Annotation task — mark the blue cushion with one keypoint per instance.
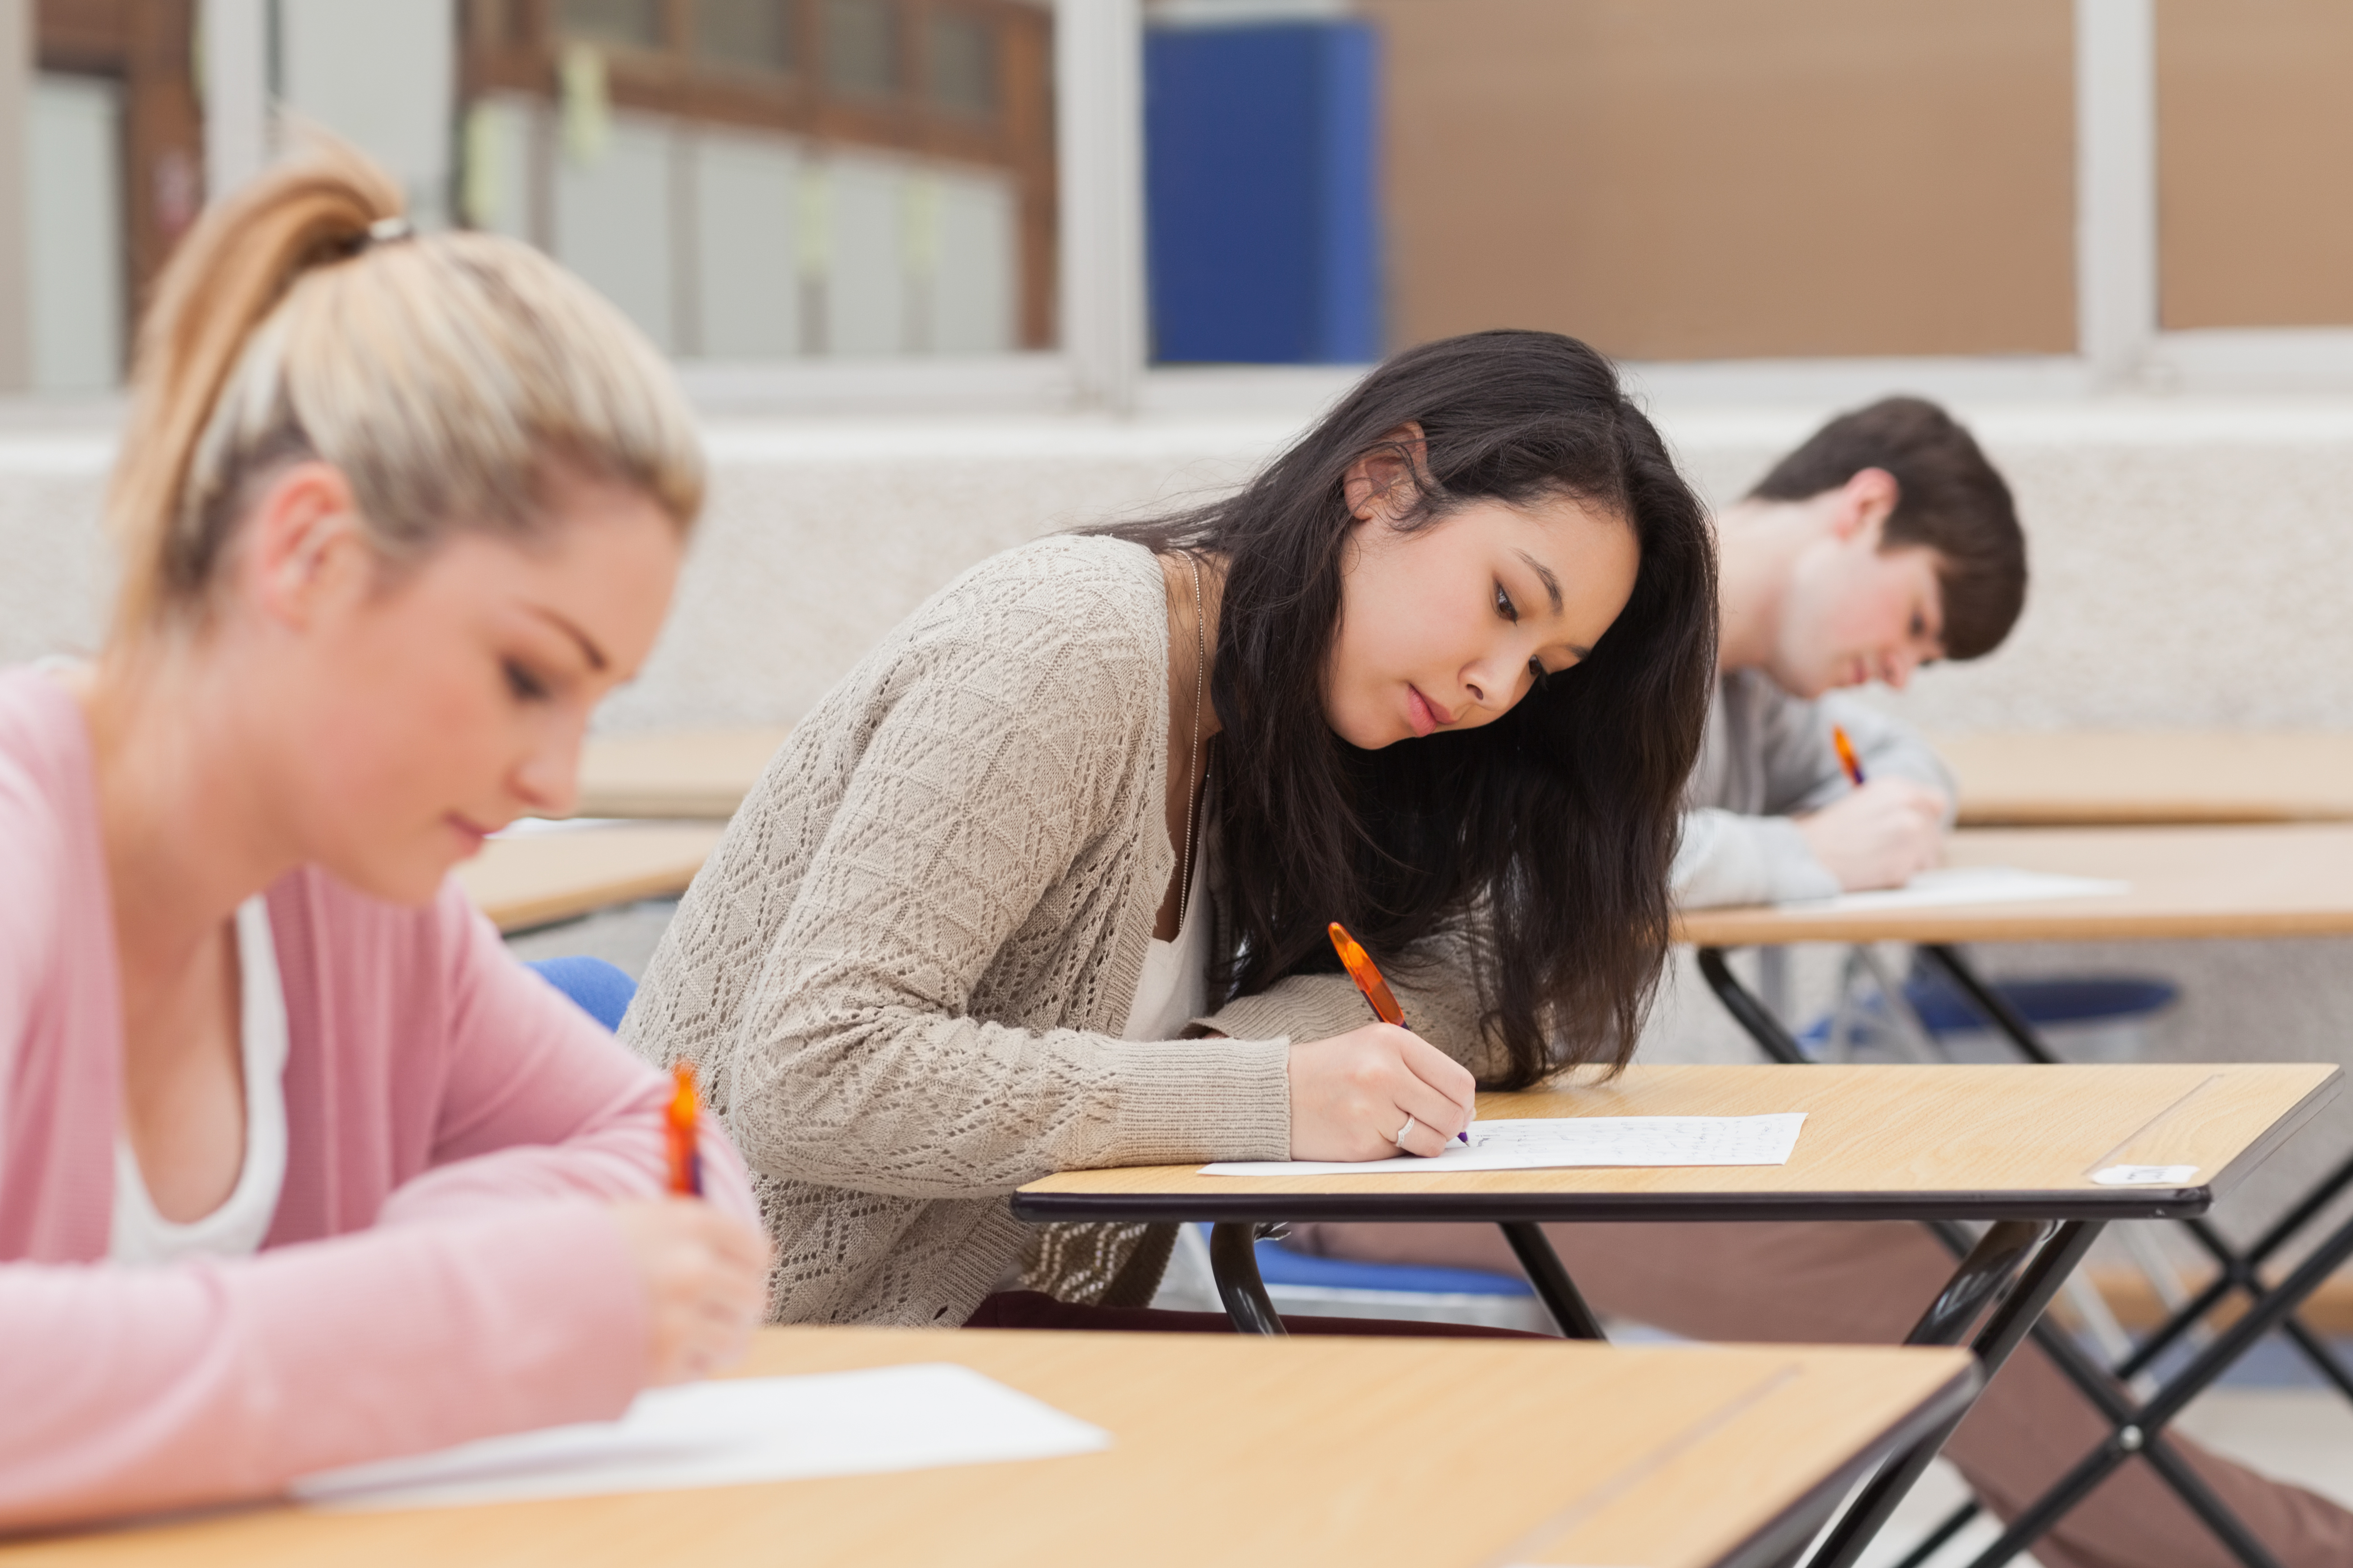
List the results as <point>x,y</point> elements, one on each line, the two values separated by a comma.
<point>1278,1265</point>
<point>602,990</point>
<point>2063,999</point>
<point>2060,1000</point>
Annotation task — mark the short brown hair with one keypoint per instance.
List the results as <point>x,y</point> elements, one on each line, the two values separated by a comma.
<point>1948,498</point>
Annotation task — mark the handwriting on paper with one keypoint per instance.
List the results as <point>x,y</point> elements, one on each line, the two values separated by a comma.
<point>1546,1143</point>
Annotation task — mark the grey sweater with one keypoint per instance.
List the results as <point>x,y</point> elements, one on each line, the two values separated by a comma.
<point>1767,757</point>
<point>903,971</point>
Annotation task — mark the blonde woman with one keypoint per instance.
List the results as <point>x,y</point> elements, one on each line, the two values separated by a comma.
<point>297,1168</point>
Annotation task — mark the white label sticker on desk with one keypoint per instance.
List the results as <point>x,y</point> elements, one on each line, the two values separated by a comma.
<point>2145,1175</point>
<point>1547,1143</point>
<point>731,1432</point>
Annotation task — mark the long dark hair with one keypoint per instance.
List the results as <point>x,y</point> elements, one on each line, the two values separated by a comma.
<point>1547,834</point>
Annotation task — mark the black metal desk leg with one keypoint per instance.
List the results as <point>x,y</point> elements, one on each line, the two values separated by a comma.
<point>2239,1271</point>
<point>1990,1004</point>
<point>1746,1010</point>
<point>2013,1318</point>
<point>1986,1271</point>
<point>1545,1271</point>
<point>2151,1418</point>
<point>1233,1258</point>
<point>2242,1271</point>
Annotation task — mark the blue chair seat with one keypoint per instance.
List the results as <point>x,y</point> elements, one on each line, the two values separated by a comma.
<point>602,990</point>
<point>1278,1265</point>
<point>2056,1002</point>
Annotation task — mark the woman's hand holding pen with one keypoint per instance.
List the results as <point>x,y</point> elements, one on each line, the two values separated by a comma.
<point>705,1274</point>
<point>1878,834</point>
<point>1351,1096</point>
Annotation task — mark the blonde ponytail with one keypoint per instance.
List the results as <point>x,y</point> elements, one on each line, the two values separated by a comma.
<point>444,376</point>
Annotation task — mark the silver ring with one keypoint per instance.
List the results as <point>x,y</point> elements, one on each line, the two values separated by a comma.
<point>1397,1136</point>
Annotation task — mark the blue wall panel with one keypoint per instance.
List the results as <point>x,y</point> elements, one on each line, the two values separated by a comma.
<point>1262,193</point>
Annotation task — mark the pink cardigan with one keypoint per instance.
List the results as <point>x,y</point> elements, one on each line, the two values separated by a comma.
<point>440,1268</point>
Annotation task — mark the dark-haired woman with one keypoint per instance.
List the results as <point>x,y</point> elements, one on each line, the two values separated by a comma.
<point>1042,884</point>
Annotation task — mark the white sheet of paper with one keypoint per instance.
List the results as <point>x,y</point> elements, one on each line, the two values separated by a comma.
<point>1963,885</point>
<point>730,1433</point>
<point>1539,1143</point>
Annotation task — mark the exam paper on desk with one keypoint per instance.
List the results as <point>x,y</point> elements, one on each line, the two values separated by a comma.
<point>731,1432</point>
<point>1538,1143</point>
<point>1962,885</point>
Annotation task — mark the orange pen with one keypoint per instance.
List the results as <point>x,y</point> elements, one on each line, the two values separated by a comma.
<point>685,1143</point>
<point>1847,759</point>
<point>1368,980</point>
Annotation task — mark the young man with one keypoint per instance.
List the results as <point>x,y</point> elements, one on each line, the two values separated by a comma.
<point>1886,542</point>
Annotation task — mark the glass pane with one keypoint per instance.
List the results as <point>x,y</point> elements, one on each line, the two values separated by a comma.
<point>964,64</point>
<point>744,35</point>
<point>635,23</point>
<point>749,225</point>
<point>1667,179</point>
<point>2254,132</point>
<point>861,48</point>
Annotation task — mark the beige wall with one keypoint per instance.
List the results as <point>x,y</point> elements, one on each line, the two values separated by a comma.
<point>2254,150</point>
<point>1701,179</point>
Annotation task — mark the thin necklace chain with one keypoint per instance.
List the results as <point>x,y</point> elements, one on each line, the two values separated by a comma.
<point>1193,758</point>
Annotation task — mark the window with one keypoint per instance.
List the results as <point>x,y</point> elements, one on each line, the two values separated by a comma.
<point>745,35</point>
<point>861,48</point>
<point>777,179</point>
<point>2253,130</point>
<point>963,58</point>
<point>634,24</point>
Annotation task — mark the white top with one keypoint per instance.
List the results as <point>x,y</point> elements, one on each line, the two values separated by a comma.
<point>237,1227</point>
<point>1173,988</point>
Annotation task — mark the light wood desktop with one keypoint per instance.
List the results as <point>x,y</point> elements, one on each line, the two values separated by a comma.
<point>2090,777</point>
<point>1880,1142</point>
<point>673,773</point>
<point>2018,1144</point>
<point>2253,880</point>
<point>538,878</point>
<point>2187,881</point>
<point>1226,1450</point>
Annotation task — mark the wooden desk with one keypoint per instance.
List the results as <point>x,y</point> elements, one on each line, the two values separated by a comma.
<point>2253,880</point>
<point>673,773</point>
<point>2084,778</point>
<point>1229,1450</point>
<point>540,878</point>
<point>2283,880</point>
<point>2013,1144</point>
<point>1880,1142</point>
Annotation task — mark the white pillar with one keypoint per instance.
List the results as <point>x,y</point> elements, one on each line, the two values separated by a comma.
<point>2115,185</point>
<point>235,48</point>
<point>1099,146</point>
<point>18,60</point>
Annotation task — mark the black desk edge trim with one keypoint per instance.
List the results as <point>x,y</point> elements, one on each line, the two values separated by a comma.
<point>2098,1204</point>
<point>1781,1536</point>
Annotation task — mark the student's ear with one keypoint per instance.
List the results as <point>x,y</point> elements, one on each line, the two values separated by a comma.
<point>302,547</point>
<point>1380,483</point>
<point>1864,502</point>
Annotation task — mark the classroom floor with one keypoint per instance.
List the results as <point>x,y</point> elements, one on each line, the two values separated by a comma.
<point>2271,1414</point>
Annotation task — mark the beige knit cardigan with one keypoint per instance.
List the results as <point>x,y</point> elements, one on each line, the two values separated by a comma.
<point>902,973</point>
